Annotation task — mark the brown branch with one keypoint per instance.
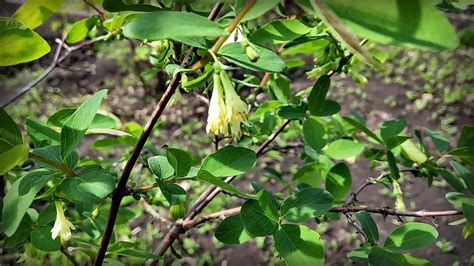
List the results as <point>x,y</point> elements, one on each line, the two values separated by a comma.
<point>100,12</point>
<point>149,209</point>
<point>121,190</point>
<point>69,256</point>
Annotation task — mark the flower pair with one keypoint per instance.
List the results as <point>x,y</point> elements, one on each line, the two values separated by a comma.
<point>226,110</point>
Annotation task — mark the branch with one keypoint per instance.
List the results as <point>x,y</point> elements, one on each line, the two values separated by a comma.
<point>121,190</point>
<point>56,61</point>
<point>69,256</point>
<point>100,12</point>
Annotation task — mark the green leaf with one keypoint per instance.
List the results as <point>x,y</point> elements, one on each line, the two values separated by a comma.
<point>232,231</point>
<point>24,45</point>
<point>279,31</point>
<point>343,148</point>
<point>13,157</point>
<point>291,112</point>
<point>368,226</point>
<point>173,193</point>
<point>452,180</point>
<point>173,25</point>
<point>10,134</point>
<point>93,183</point>
<point>15,205</point>
<point>412,152</point>
<point>381,257</point>
<point>468,210</point>
<point>299,245</point>
<point>81,28</point>
<point>408,23</point>
<point>209,178</point>
<point>257,10</point>
<point>306,204</point>
<point>339,181</point>
<point>318,94</point>
<point>103,121</point>
<point>466,139</point>
<point>119,5</point>
<point>260,217</point>
<point>441,142</point>
<point>53,153</point>
<point>341,32</point>
<point>40,134</point>
<point>410,236</point>
<point>129,249</point>
<point>229,161</point>
<point>33,13</point>
<point>314,133</point>
<point>160,167</point>
<point>456,198</point>
<point>41,239</point>
<point>30,182</point>
<point>362,128</point>
<point>392,128</point>
<point>180,160</point>
<point>392,165</point>
<point>268,61</point>
<point>328,108</point>
<point>78,123</point>
<point>465,174</point>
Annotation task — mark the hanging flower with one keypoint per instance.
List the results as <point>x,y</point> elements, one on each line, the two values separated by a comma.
<point>217,111</point>
<point>62,227</point>
<point>236,110</point>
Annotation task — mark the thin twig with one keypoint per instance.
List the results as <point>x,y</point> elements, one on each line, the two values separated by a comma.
<point>100,12</point>
<point>149,209</point>
<point>69,256</point>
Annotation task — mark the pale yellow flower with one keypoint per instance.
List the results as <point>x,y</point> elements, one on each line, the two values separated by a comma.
<point>237,111</point>
<point>62,227</point>
<point>217,112</point>
<point>399,203</point>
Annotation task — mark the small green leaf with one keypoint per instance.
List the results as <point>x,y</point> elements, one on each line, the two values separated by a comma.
<point>339,181</point>
<point>102,121</point>
<point>229,161</point>
<point>207,177</point>
<point>318,94</point>
<point>180,160</point>
<point>456,198</point>
<point>260,217</point>
<point>314,133</point>
<point>328,108</point>
<point>468,210</point>
<point>41,239</point>
<point>40,134</point>
<point>392,165</point>
<point>10,134</point>
<point>306,204</point>
<point>362,128</point>
<point>441,142</point>
<point>392,128</point>
<point>465,174</point>
<point>129,249</point>
<point>412,152</point>
<point>173,193</point>
<point>343,148</point>
<point>33,13</point>
<point>160,166</point>
<point>232,231</point>
<point>163,25</point>
<point>291,112</point>
<point>279,31</point>
<point>13,157</point>
<point>299,245</point>
<point>24,45</point>
<point>381,257</point>
<point>53,153</point>
<point>93,183</point>
<point>267,61</point>
<point>78,123</point>
<point>410,236</point>
<point>81,28</point>
<point>368,226</point>
<point>452,180</point>
<point>15,204</point>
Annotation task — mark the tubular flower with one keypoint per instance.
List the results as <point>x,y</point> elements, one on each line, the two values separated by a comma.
<point>62,226</point>
<point>236,110</point>
<point>217,112</point>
